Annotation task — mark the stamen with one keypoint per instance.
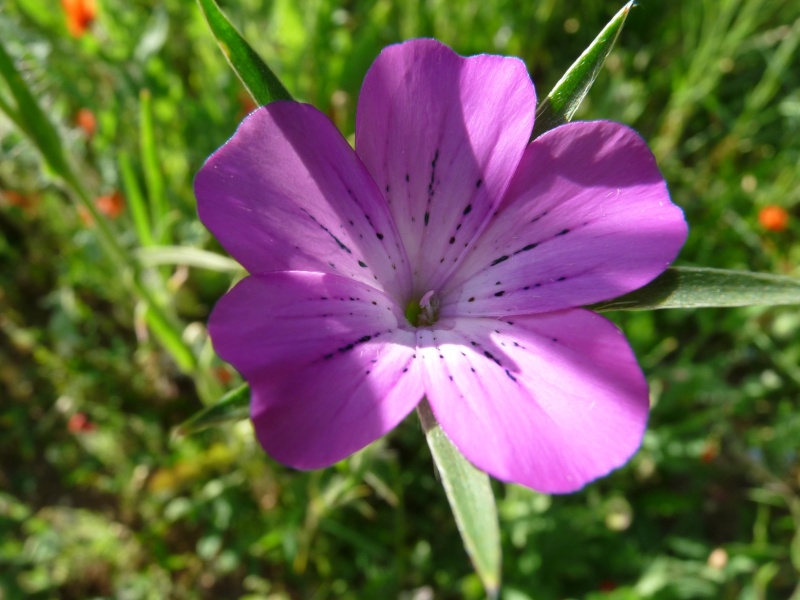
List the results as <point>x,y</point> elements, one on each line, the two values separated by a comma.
<point>429,305</point>
<point>425,311</point>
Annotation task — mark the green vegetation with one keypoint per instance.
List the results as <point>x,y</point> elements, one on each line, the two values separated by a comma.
<point>104,296</point>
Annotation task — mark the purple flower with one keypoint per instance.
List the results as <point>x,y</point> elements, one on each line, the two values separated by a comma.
<point>445,257</point>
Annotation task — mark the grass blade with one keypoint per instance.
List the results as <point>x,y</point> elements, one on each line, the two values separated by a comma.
<point>136,200</point>
<point>562,102</point>
<point>151,166</point>
<point>696,287</point>
<point>256,76</point>
<point>470,495</point>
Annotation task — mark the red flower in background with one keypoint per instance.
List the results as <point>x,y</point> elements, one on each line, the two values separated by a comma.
<point>80,15</point>
<point>80,423</point>
<point>773,218</point>
<point>111,205</point>
<point>86,122</point>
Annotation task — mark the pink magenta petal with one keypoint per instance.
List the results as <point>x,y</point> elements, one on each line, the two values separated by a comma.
<point>441,135</point>
<point>547,401</point>
<point>586,218</point>
<point>330,363</point>
<point>288,193</point>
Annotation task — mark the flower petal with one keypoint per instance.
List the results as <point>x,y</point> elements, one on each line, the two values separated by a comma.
<point>587,218</point>
<point>288,193</point>
<point>330,363</point>
<point>441,135</point>
<point>548,401</point>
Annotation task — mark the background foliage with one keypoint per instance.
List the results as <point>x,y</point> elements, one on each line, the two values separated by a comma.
<point>98,500</point>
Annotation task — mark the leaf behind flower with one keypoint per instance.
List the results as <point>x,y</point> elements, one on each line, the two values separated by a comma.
<point>696,287</point>
<point>256,76</point>
<point>233,406</point>
<point>564,99</point>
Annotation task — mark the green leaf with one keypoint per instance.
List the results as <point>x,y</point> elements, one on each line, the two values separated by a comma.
<point>256,76</point>
<point>152,166</point>
<point>28,116</point>
<point>186,255</point>
<point>569,92</point>
<point>169,334</point>
<point>136,199</point>
<point>471,500</point>
<point>695,287</point>
<point>233,406</point>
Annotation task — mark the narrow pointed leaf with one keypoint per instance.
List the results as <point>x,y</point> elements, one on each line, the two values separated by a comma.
<point>471,499</point>
<point>152,167</point>
<point>695,287</point>
<point>256,76</point>
<point>29,116</point>
<point>186,255</point>
<point>569,92</point>
<point>233,406</point>
<point>136,199</point>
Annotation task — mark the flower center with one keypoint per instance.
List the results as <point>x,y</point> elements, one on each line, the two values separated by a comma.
<point>423,312</point>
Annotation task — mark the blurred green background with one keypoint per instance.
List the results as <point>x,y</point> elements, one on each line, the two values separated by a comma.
<point>97,500</point>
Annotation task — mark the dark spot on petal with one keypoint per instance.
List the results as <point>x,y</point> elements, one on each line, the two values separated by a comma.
<point>561,279</point>
<point>452,240</point>
<point>526,248</point>
<point>327,356</point>
<point>562,232</point>
<point>500,293</point>
<point>498,282</point>
<point>478,183</point>
<point>427,217</point>
<point>374,303</point>
<point>472,299</point>
<point>555,339</point>
<point>468,209</point>
<point>511,376</point>
<point>450,377</point>
<point>406,176</point>
<point>380,236</point>
<point>387,188</point>
<point>497,261</point>
<point>491,357</point>
<point>362,264</point>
